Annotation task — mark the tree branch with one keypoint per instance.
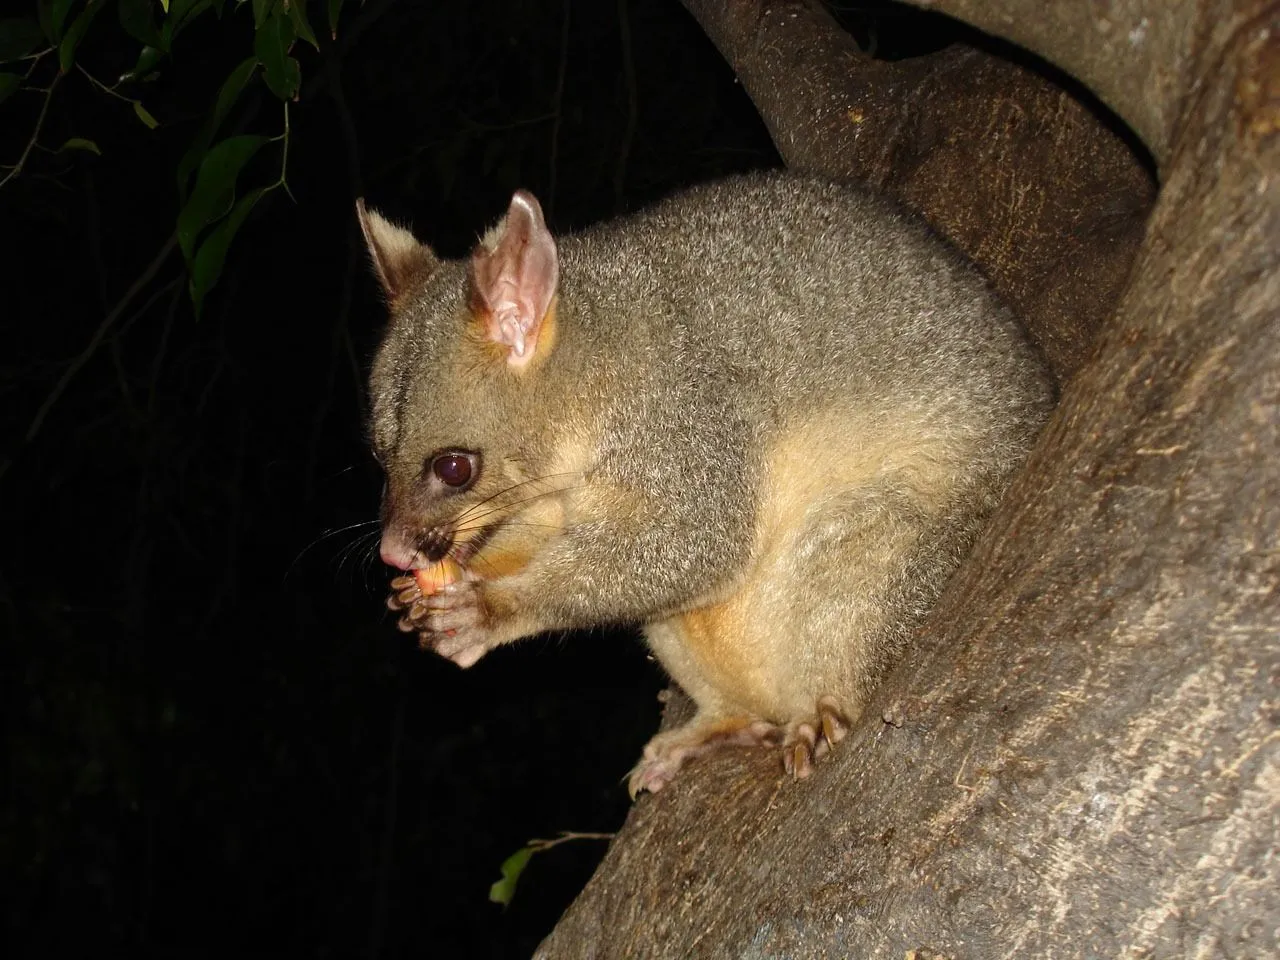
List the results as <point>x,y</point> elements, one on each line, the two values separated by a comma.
<point>1125,52</point>
<point>148,274</point>
<point>964,137</point>
<point>1080,757</point>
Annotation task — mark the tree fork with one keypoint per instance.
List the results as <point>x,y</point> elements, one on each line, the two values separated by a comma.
<point>1081,756</point>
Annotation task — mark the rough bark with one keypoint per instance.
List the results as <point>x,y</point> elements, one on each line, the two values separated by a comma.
<point>1082,756</point>
<point>1012,167</point>
<point>1144,58</point>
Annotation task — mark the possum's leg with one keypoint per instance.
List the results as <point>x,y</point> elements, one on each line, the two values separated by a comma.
<point>853,545</point>
<point>724,716</point>
<point>861,573</point>
<point>666,753</point>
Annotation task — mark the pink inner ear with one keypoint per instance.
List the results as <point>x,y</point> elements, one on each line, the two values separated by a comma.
<point>516,280</point>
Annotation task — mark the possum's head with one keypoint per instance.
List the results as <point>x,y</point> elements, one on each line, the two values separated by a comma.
<point>471,474</point>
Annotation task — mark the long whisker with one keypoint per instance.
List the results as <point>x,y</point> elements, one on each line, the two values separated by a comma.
<point>371,563</point>
<point>488,560</point>
<point>364,546</point>
<point>534,524</point>
<point>516,486</point>
<point>344,554</point>
<point>360,557</point>
<point>469,517</point>
<point>466,514</point>
<point>328,534</point>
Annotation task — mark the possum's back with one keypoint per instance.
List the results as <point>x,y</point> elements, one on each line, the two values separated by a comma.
<point>801,292</point>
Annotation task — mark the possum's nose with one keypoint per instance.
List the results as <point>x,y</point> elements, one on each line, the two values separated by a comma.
<point>409,554</point>
<point>397,553</point>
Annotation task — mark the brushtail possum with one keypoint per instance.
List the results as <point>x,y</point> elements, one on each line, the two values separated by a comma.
<point>763,419</point>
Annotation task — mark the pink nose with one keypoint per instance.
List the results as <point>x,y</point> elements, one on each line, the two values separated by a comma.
<point>396,553</point>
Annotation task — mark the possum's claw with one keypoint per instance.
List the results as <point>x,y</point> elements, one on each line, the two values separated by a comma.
<point>447,615</point>
<point>404,591</point>
<point>448,620</point>
<point>452,622</point>
<point>666,753</point>
<point>799,749</point>
<point>834,724</point>
<point>809,740</point>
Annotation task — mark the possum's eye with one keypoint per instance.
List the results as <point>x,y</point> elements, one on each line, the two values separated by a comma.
<point>453,469</point>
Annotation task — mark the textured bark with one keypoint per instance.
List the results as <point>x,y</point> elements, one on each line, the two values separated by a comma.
<point>1144,58</point>
<point>1082,756</point>
<point>1011,167</point>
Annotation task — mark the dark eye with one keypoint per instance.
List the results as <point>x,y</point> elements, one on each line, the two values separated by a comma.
<point>452,469</point>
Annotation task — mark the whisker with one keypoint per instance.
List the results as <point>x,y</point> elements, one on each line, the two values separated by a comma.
<point>466,514</point>
<point>328,534</point>
<point>488,562</point>
<point>515,486</point>
<point>513,523</point>
<point>468,517</point>
<point>365,545</point>
<point>371,561</point>
<point>357,557</point>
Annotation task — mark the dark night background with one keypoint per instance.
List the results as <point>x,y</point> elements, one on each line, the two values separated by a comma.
<point>216,740</point>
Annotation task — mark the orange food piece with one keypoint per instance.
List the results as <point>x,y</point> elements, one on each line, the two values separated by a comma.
<point>440,574</point>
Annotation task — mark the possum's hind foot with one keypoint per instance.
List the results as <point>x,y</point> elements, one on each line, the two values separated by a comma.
<point>666,753</point>
<point>810,739</point>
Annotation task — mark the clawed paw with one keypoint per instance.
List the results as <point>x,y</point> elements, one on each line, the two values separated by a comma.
<point>449,620</point>
<point>666,753</point>
<point>809,740</point>
<point>656,769</point>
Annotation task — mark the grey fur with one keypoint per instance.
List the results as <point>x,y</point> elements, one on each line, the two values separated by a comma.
<point>694,339</point>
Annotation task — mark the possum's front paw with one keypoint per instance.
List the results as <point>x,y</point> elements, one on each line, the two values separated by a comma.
<point>450,619</point>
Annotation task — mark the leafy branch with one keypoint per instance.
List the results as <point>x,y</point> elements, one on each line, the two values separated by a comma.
<point>139,110</point>
<point>504,889</point>
<point>210,211</point>
<point>17,168</point>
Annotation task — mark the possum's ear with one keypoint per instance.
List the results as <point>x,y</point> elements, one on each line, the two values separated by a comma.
<point>513,282</point>
<point>397,255</point>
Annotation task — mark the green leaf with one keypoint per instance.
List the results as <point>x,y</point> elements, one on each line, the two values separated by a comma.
<point>503,890</point>
<point>148,60</point>
<point>144,116</point>
<point>301,26</point>
<point>287,82</point>
<point>215,188</point>
<point>137,20</point>
<point>230,91</point>
<point>9,84</point>
<point>207,266</point>
<point>227,96</point>
<point>53,15</point>
<point>335,8</point>
<point>80,143</point>
<point>261,9</point>
<point>182,13</point>
<point>75,33</point>
<point>18,37</point>
<point>272,43</point>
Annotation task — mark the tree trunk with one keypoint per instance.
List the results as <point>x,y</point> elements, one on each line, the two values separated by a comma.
<point>1080,757</point>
